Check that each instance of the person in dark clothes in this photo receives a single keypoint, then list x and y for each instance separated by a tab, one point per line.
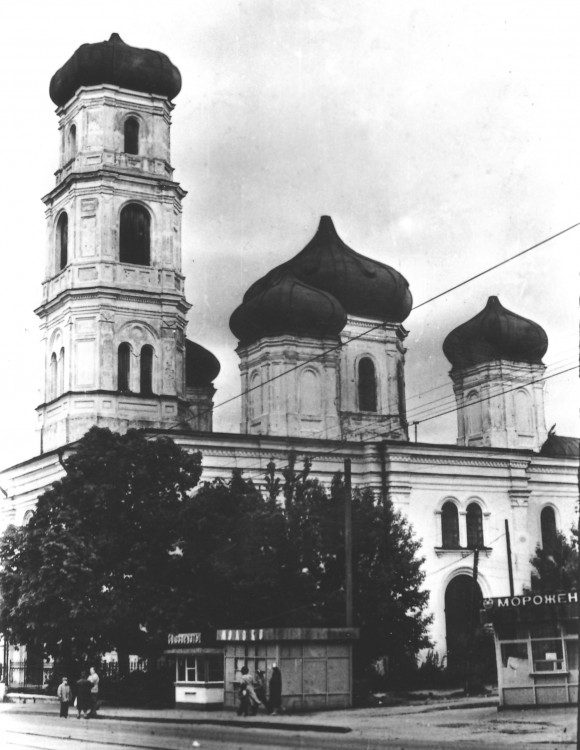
260	686
83	696
64	694
275	697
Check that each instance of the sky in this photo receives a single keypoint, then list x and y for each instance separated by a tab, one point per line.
442	138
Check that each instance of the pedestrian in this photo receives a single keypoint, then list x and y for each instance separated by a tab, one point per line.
94	680
260	687
275	696
83	699
249	701
64	694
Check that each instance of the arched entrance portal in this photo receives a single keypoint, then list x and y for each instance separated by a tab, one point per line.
470	651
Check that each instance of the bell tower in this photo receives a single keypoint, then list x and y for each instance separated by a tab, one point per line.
113	311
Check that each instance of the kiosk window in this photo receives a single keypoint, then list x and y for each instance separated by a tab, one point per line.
513	651
186	669
572	654
547	656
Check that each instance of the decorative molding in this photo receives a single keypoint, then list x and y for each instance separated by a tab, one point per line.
519	497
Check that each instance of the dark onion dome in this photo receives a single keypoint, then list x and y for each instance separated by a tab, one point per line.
495	333
364	287
287	306
201	367
559	446
116	63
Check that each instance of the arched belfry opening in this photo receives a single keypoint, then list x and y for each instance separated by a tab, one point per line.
135	235
367	385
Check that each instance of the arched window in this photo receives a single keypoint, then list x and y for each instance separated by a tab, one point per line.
549	531
72	141
310	394
124	367
401	393
474	526
60	371
131	136
367	385
474	420
134	235
523	413
62	240
146	374
255	402
52	377
450	526
27	516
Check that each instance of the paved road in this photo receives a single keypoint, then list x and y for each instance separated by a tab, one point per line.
35	732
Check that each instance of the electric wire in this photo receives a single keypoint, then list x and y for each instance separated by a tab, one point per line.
372	328
376	434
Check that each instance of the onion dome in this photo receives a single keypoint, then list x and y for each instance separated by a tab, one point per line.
364	287
288	306
495	333
116	63
559	446
201	367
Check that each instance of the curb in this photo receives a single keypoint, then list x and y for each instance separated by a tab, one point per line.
238	723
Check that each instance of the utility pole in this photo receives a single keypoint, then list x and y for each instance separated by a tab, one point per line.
348	540
509	557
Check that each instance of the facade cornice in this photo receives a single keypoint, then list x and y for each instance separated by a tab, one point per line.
112	174
101	293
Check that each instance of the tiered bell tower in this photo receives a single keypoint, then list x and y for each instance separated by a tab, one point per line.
113	313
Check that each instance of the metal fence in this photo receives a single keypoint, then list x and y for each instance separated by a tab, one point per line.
21	674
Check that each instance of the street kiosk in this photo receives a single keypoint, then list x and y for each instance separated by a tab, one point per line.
199	670
536	643
316	664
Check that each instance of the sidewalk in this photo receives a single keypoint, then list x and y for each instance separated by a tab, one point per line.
458	719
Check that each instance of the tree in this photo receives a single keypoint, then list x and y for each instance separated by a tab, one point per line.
555	566
238	567
389	602
91	571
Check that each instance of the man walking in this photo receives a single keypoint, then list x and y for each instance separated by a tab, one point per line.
94	680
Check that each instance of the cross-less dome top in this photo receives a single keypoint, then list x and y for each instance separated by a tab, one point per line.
495	333
287	306
201	367
116	63
364	287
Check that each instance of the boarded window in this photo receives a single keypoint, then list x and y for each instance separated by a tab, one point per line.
367	385
474	526
131	136
310	394
123	367
450	526
523	413
146	380
474	419
134	235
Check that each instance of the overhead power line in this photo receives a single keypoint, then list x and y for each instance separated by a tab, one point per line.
377	434
342	344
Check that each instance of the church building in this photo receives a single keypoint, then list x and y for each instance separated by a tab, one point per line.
321	354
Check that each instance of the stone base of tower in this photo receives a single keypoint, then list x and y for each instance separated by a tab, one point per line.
69	417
